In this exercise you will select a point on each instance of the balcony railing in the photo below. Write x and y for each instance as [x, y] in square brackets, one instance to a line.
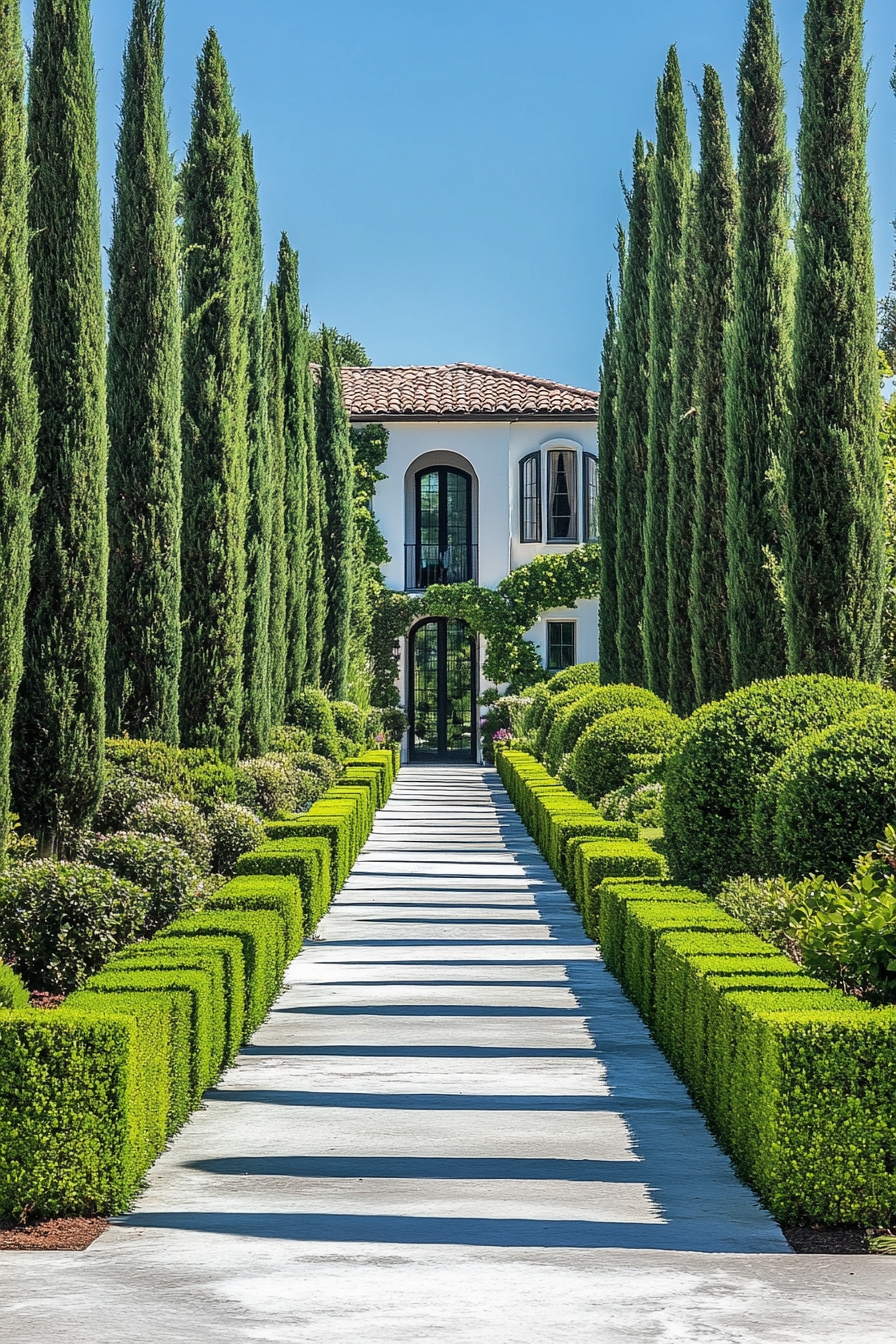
[424, 565]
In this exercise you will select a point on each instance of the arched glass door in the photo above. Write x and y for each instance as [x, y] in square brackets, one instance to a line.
[442, 691]
[444, 549]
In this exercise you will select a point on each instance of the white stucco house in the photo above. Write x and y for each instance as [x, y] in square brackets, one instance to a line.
[485, 470]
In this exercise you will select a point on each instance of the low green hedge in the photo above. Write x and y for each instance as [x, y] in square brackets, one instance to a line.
[573, 831]
[263, 936]
[597, 860]
[13, 993]
[306, 858]
[336, 830]
[370, 775]
[262, 891]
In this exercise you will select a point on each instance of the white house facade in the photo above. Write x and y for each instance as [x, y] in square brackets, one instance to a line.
[485, 470]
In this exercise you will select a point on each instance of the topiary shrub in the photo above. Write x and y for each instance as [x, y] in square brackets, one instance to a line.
[541, 698]
[59, 922]
[288, 739]
[554, 708]
[211, 780]
[157, 864]
[641, 803]
[611, 752]
[577, 716]
[267, 784]
[395, 723]
[351, 722]
[314, 712]
[157, 762]
[580, 674]
[726, 749]
[234, 830]
[181, 821]
[831, 797]
[122, 792]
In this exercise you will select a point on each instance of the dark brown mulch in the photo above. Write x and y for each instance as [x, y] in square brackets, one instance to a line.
[52, 1234]
[827, 1240]
[41, 999]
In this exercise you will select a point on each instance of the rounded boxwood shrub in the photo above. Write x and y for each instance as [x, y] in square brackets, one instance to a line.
[122, 792]
[541, 698]
[580, 674]
[554, 708]
[211, 780]
[834, 793]
[725, 751]
[181, 821]
[235, 830]
[571, 722]
[314, 712]
[157, 762]
[612, 751]
[156, 863]
[59, 922]
[351, 722]
[289, 739]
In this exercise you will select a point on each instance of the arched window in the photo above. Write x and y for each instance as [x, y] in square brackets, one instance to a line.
[444, 527]
[563, 523]
[590, 529]
[530, 498]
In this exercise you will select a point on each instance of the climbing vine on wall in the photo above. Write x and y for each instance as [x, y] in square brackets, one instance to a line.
[502, 615]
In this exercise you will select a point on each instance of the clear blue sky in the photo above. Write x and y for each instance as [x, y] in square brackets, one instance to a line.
[450, 172]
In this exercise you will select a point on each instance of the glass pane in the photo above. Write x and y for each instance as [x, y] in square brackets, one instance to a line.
[590, 501]
[562, 506]
[561, 645]
[426, 688]
[530, 502]
[456, 557]
[459, 688]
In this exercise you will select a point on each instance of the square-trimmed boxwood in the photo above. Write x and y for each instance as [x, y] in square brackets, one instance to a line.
[600, 859]
[307, 858]
[336, 830]
[177, 957]
[265, 891]
[371, 776]
[13, 993]
[263, 935]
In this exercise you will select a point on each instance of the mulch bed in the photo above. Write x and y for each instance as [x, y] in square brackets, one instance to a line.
[828, 1240]
[51, 1234]
[40, 999]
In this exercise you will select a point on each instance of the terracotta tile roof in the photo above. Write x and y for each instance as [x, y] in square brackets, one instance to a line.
[458, 391]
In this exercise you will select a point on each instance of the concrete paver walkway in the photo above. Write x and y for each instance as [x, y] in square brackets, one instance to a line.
[452, 1126]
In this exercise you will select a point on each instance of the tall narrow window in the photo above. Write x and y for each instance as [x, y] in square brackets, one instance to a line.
[589, 497]
[530, 498]
[562, 520]
[443, 552]
[561, 645]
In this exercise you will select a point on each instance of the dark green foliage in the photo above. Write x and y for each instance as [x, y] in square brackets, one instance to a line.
[59, 724]
[210, 780]
[335, 457]
[312, 711]
[580, 674]
[607, 435]
[282, 894]
[277, 456]
[715, 222]
[234, 830]
[158, 762]
[144, 497]
[121, 794]
[158, 865]
[13, 993]
[758, 355]
[255, 729]
[714, 771]
[669, 203]
[556, 707]
[833, 795]
[60, 922]
[833, 470]
[632, 418]
[349, 720]
[600, 701]
[316, 591]
[295, 480]
[18, 405]
[180, 821]
[606, 755]
[348, 350]
[682, 469]
[214, 415]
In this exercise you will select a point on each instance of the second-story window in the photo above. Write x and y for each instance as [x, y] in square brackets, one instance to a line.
[443, 552]
[530, 498]
[590, 529]
[562, 495]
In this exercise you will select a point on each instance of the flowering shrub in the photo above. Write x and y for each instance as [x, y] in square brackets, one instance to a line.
[234, 830]
[267, 784]
[153, 862]
[181, 821]
[122, 792]
[641, 803]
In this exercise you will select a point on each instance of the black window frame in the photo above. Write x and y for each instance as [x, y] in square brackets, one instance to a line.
[572, 494]
[557, 625]
[442, 470]
[529, 460]
[589, 515]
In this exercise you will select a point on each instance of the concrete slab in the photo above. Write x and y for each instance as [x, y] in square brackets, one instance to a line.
[452, 1125]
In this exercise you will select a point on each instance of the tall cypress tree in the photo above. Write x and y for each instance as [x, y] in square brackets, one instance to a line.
[671, 185]
[682, 468]
[18, 401]
[316, 605]
[255, 730]
[335, 457]
[606, 463]
[144, 497]
[758, 355]
[632, 420]
[60, 719]
[715, 223]
[295, 489]
[277, 615]
[833, 468]
[214, 415]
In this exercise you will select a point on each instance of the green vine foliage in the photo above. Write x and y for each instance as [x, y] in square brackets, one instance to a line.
[502, 615]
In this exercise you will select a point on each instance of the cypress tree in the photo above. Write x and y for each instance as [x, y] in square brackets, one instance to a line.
[295, 488]
[18, 403]
[671, 185]
[632, 420]
[255, 730]
[715, 223]
[758, 355]
[214, 415]
[682, 467]
[144, 496]
[606, 465]
[60, 719]
[277, 615]
[833, 467]
[316, 606]
[335, 457]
